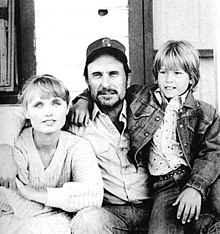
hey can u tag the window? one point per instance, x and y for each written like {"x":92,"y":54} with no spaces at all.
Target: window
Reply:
{"x":17,"y":55}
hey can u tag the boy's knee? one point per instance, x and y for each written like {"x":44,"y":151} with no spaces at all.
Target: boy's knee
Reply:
{"x":207,"y":223}
{"x":215,"y":229}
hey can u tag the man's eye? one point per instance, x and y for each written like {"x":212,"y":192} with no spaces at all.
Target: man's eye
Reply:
{"x":114,"y":73}
{"x":96,"y":75}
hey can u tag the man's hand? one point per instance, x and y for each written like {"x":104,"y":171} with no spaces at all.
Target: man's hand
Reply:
{"x":31,"y":193}
{"x":189,"y":205}
{"x":80,"y":112}
{"x":8,"y":167}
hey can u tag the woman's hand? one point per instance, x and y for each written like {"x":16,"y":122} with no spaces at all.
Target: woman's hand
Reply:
{"x":31,"y":193}
{"x":8,"y":167}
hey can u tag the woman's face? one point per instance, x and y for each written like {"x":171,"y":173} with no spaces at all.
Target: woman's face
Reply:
{"x":46,"y":112}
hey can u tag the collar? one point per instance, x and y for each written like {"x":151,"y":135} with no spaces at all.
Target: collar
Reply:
{"x":191,"y":102}
{"x":161,"y":98}
{"x":96,"y":111}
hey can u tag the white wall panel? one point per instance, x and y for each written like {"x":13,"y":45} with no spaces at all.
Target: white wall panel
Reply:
{"x":183,"y":19}
{"x":65,"y":29}
{"x":208,"y":84}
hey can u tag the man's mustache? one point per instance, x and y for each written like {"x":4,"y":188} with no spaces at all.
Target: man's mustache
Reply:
{"x":107,"y":91}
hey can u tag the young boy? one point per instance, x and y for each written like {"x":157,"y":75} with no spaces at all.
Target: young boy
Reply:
{"x":180,"y":137}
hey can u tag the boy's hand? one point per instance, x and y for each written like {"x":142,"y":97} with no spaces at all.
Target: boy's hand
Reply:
{"x":31,"y":193}
{"x":189,"y":205}
{"x":80,"y":112}
{"x":8,"y":167}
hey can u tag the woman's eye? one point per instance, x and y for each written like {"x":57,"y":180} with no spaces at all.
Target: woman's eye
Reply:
{"x":162,"y":72}
{"x":39,"y":104}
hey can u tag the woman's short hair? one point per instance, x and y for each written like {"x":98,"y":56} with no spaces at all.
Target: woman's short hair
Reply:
{"x":49,"y":85}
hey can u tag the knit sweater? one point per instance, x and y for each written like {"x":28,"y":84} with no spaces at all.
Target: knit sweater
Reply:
{"x":72,"y":179}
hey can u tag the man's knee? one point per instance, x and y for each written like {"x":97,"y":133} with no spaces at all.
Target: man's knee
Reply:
{"x":90,"y":220}
{"x":89,"y":215}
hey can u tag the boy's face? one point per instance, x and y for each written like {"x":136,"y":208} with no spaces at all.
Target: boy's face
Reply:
{"x":173,"y":82}
{"x":107,"y":81}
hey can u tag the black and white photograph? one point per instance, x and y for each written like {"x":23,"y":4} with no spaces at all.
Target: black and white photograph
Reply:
{"x":109,"y":117}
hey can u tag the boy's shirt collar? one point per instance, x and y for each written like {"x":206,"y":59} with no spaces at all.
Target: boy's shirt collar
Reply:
{"x":161,"y":98}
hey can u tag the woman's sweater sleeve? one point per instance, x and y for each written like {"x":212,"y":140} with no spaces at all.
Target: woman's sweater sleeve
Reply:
{"x":87,"y":186}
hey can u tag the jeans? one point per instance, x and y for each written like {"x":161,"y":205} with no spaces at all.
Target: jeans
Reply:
{"x":117,"y":219}
{"x":208,"y":223}
{"x":163,"y":216}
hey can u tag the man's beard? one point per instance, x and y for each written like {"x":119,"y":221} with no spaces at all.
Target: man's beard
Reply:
{"x":108,"y":102}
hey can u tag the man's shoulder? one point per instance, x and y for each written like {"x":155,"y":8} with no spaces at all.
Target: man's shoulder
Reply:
{"x":71,"y":140}
{"x":70,"y":136}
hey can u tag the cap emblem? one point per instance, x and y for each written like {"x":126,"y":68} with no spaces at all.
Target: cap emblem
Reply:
{"x":106,"y":42}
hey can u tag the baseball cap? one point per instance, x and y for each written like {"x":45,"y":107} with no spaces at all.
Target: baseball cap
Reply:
{"x":105,"y":45}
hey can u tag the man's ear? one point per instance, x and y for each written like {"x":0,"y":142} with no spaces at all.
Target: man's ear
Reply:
{"x":87,"y":82}
{"x":128,"y":80}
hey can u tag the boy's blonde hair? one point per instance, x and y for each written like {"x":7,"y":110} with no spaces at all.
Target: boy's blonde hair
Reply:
{"x":48,"y":84}
{"x":178,"y":54}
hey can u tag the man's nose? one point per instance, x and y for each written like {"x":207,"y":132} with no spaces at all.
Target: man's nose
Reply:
{"x":105,"y":80}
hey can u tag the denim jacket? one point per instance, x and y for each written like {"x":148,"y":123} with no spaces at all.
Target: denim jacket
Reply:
{"x":198,"y":131}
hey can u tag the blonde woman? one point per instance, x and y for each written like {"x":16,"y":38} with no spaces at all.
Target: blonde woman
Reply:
{"x":57,"y":171}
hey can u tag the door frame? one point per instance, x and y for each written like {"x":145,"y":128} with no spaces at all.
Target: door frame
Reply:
{"x":141,"y":51}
